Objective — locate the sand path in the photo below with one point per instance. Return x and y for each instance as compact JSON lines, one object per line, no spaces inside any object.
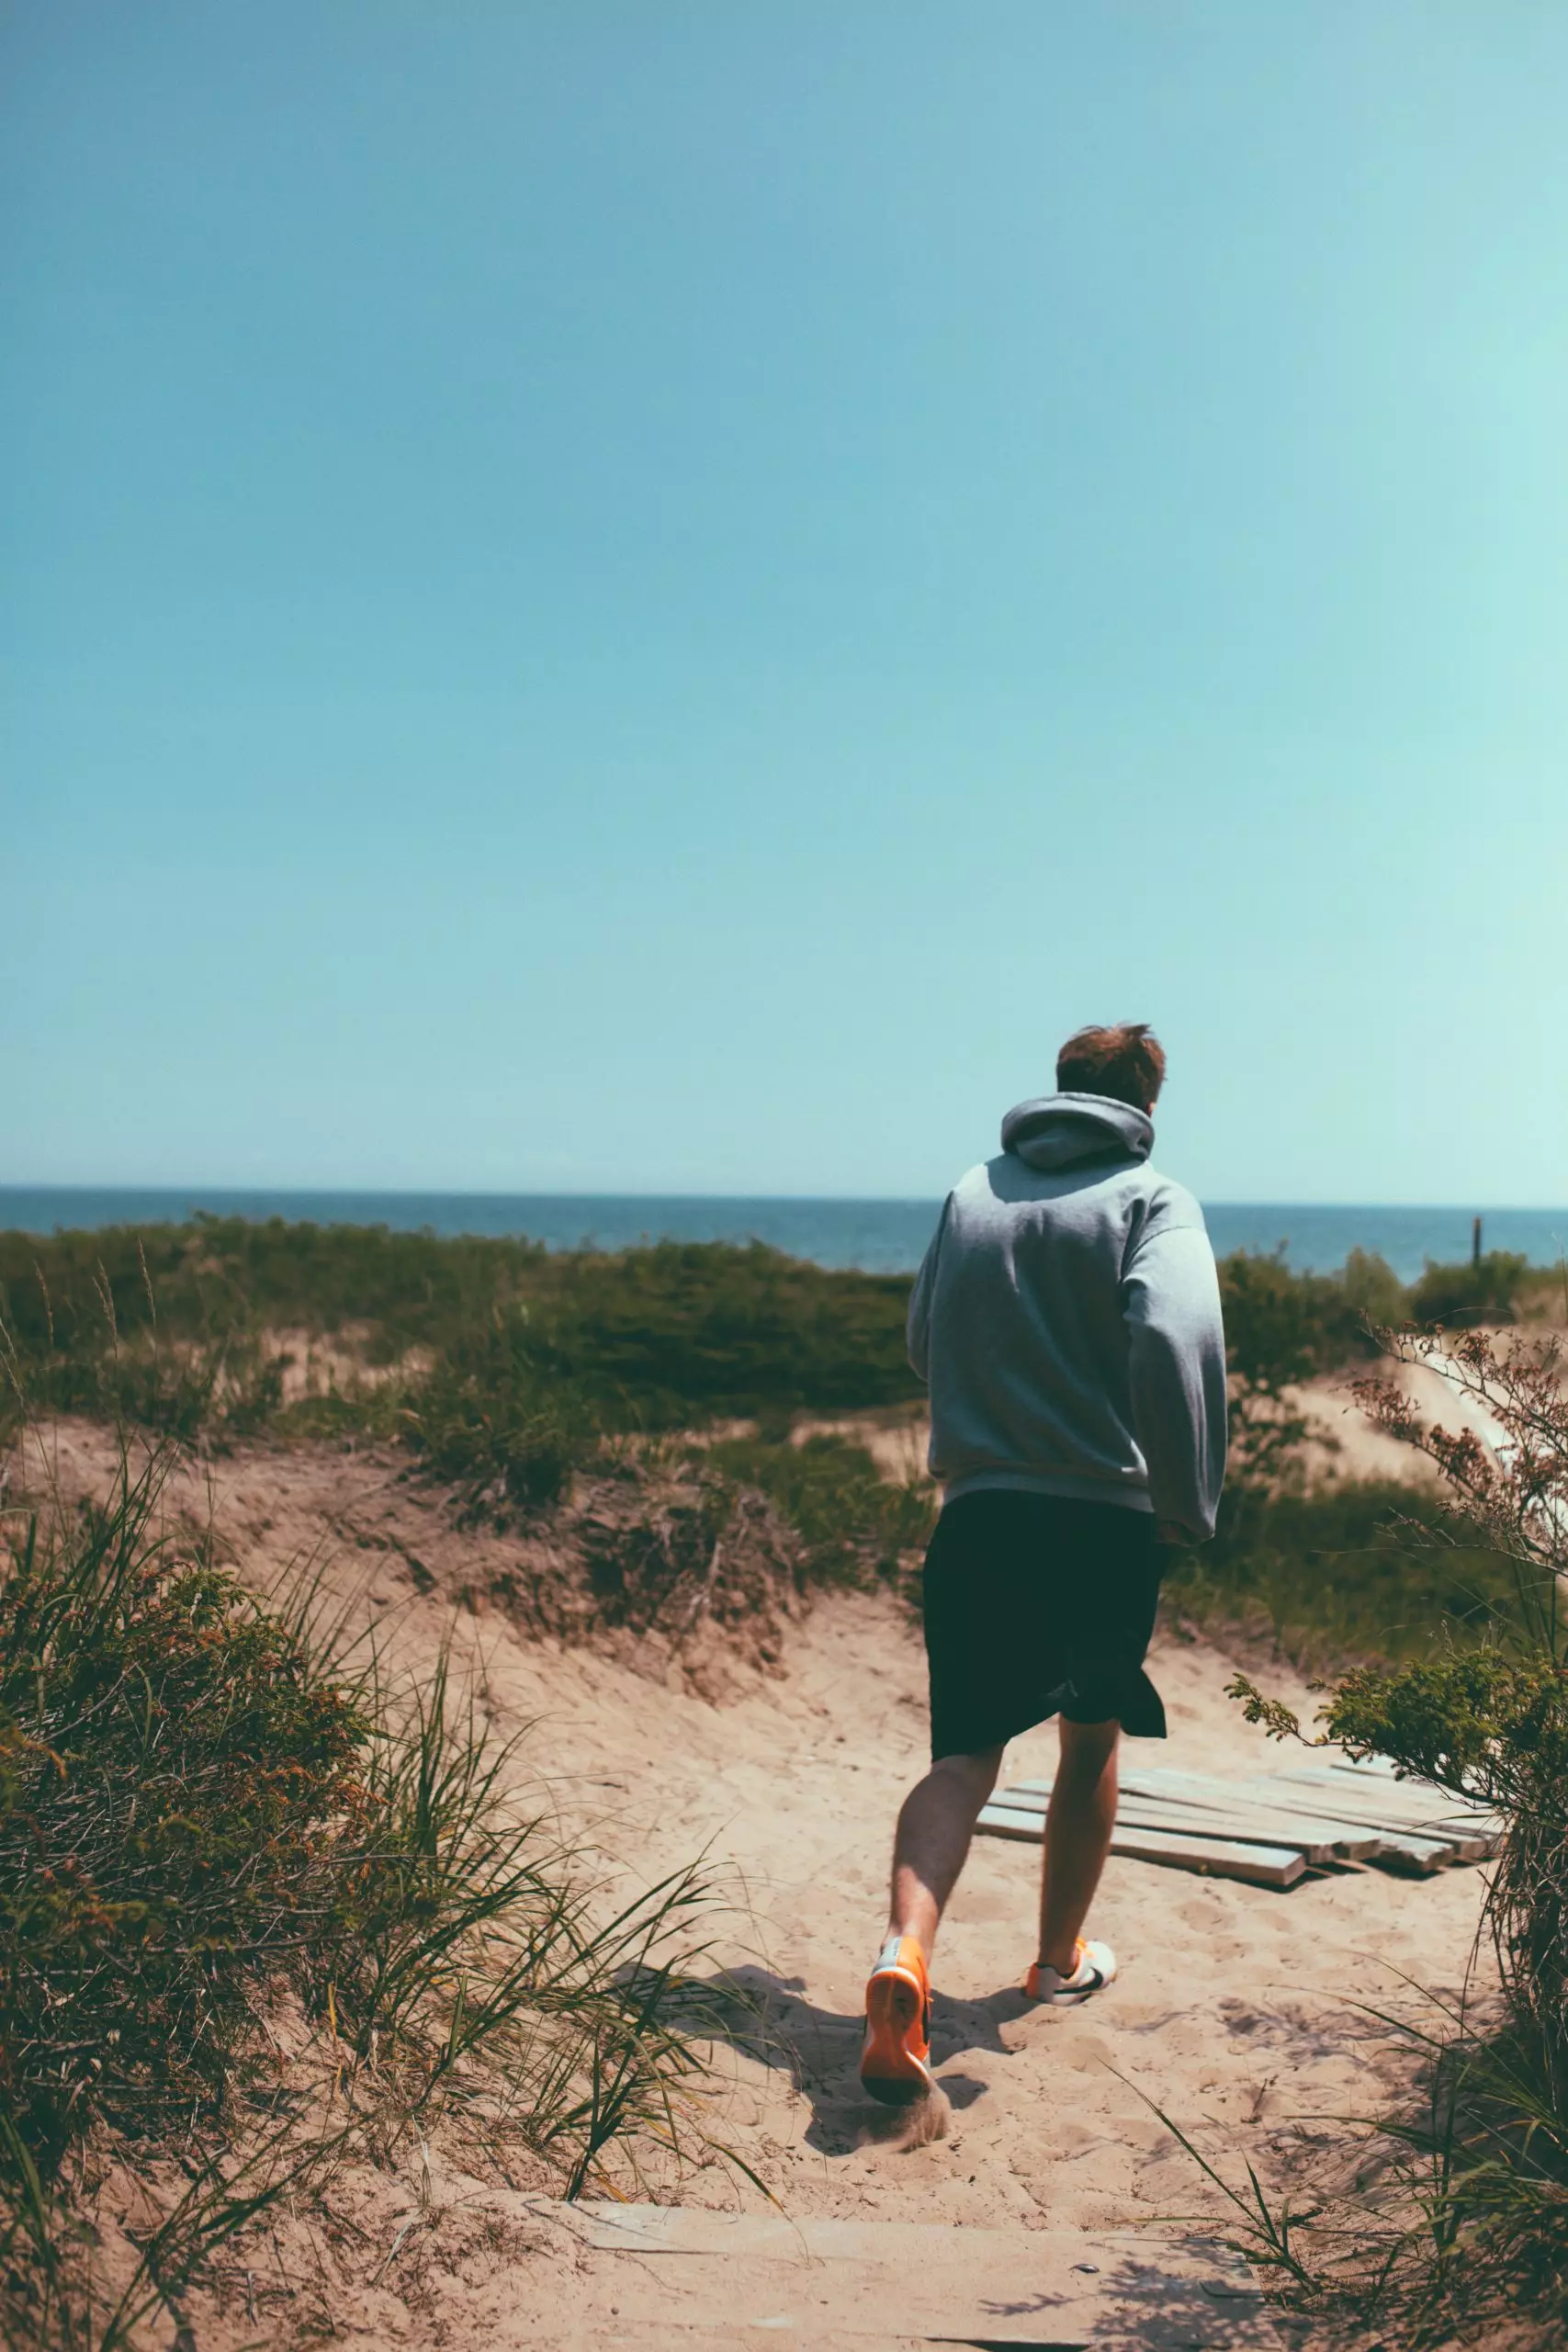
{"x":1234,"y":2012}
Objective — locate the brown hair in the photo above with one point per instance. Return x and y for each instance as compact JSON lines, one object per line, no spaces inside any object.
{"x":1127,"y":1062}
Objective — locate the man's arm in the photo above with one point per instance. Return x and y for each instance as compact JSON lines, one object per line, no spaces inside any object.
{"x":917,"y":1329}
{"x":1171,"y":1300}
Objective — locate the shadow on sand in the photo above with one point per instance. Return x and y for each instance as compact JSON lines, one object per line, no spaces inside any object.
{"x":768,"y":2019}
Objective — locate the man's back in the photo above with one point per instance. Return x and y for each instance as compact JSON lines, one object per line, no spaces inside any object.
{"x":1067,"y":1321}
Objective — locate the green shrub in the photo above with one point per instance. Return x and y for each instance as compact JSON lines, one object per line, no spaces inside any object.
{"x":1497,"y":1725}
{"x":1484,"y":1290}
{"x":1491,"y":1724}
{"x":699,"y":1330}
{"x":488,"y":1420}
{"x":1281,"y":1329}
{"x":222,"y":1274}
{"x":1481,"y":1708}
{"x":1373,"y":1291}
{"x":857,"y":1526}
{"x":231,"y":1389}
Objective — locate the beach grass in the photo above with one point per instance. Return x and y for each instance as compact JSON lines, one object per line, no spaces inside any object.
{"x":165,"y":1325}
{"x":262,"y":1911}
{"x":193,"y":1329}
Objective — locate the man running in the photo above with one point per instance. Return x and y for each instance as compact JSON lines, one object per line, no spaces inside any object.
{"x":1066,"y":1320}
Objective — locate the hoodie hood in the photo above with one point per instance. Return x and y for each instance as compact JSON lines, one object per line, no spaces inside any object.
{"x":1067,"y":1130}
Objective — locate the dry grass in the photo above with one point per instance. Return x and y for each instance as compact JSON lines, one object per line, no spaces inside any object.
{"x":266,"y":1920}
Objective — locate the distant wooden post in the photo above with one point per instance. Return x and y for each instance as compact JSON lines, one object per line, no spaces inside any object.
{"x":1475,"y":1242}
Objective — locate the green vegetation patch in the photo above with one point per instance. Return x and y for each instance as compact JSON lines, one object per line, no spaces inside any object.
{"x":164,"y":1326}
{"x":173,"y":1776}
{"x":491,"y":1421}
{"x":1367,"y":1569}
{"x":218,"y":1275}
{"x":857,"y":1526}
{"x":203,"y":1820}
{"x":710,"y":1330}
{"x":178,"y":1328}
{"x":1461,"y":2227}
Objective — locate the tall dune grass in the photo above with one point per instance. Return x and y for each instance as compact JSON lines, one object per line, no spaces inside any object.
{"x":206,"y":1821}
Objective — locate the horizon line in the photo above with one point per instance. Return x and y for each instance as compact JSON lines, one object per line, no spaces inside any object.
{"x":189,"y":1193}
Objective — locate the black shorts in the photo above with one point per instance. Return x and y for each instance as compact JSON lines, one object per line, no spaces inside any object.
{"x":1035,"y":1606}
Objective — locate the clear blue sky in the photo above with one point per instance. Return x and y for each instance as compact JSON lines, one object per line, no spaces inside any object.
{"x":661,"y":595}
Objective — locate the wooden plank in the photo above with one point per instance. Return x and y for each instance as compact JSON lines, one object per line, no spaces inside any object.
{"x":1422,"y":1850}
{"x":1467,"y":1839}
{"x":1317,"y":1842}
{"x":1004,"y":1821}
{"x":647,"y":2273}
{"x":807,"y":2238}
{"x":1402,"y":1849}
{"x":1419,"y":1852}
{"x":1321,"y":1837}
{"x":1329,"y":1834}
{"x":1282,"y":1807}
{"x":1412,"y":1803}
{"x":1426,"y":1795}
{"x":1303,"y":1838}
{"x":1382,"y":1778}
{"x":1259,"y":1865}
{"x":1322,"y":1842}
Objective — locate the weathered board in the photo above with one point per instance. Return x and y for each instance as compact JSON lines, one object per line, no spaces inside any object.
{"x":1431,"y":1843}
{"x":1259,"y":1865}
{"x":1318,"y":1843}
{"x":1321,"y":1813}
{"x":1189,"y":1800}
{"x":654,"y":2275}
{"x":1407,"y":1847}
{"x":1413,"y":1804}
{"x":1370,"y":1767}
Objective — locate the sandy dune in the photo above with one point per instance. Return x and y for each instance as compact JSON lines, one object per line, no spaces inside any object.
{"x":1235,"y":2011}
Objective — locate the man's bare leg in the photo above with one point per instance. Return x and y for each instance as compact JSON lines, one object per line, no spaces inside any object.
{"x":932,"y":1841}
{"x":1077,"y":1836}
{"x":929,"y":1849}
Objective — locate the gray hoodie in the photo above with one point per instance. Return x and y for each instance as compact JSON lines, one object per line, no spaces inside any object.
{"x":1067,"y":1321}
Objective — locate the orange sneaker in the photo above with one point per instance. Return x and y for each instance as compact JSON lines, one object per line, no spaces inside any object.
{"x":895,"y":2066}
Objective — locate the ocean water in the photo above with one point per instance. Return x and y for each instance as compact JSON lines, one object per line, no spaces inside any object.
{"x":882,"y":1236}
